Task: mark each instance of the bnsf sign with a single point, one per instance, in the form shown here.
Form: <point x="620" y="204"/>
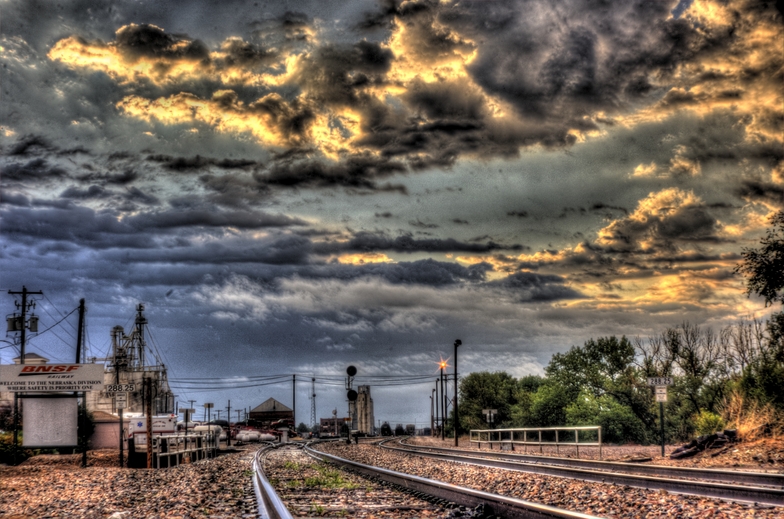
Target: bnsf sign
<point x="57" y="368"/>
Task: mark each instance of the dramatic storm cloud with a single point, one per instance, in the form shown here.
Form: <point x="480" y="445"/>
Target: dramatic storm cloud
<point x="296" y="189"/>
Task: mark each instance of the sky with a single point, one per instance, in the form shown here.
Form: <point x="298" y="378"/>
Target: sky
<point x="296" y="187"/>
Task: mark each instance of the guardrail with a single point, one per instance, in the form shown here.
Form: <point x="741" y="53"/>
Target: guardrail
<point x="512" y="437"/>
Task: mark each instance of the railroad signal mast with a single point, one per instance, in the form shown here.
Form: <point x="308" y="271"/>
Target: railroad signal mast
<point x="352" y="395"/>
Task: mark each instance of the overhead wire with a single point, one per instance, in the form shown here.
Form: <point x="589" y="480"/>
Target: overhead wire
<point x="55" y="309"/>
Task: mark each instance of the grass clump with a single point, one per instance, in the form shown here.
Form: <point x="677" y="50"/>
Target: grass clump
<point x="328" y="478"/>
<point x="752" y="419"/>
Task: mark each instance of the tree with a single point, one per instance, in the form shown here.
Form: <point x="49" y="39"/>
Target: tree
<point x="619" y="424"/>
<point x="605" y="366"/>
<point x="302" y="428"/>
<point x="763" y="377"/>
<point x="485" y="390"/>
<point x="764" y="267"/>
<point x="524" y="399"/>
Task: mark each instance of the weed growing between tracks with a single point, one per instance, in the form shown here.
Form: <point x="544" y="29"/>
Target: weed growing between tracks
<point x="328" y="478"/>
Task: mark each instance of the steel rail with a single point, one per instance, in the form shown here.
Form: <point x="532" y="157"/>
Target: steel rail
<point x="755" y="494"/>
<point x="269" y="504"/>
<point x="507" y="507"/>
<point x="716" y="475"/>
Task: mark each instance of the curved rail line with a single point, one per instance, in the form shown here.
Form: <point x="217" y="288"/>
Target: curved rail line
<point x="269" y="504"/>
<point x="271" y="507"/>
<point x="763" y="479"/>
<point x="620" y="474"/>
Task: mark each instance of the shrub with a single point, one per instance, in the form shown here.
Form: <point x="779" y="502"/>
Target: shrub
<point x="619" y="424"/>
<point x="707" y="423"/>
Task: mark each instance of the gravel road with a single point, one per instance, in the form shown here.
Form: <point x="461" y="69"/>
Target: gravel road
<point x="598" y="499"/>
<point x="219" y="488"/>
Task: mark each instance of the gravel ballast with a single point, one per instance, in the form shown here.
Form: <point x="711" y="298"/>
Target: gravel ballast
<point x="218" y="488"/>
<point x="604" y="500"/>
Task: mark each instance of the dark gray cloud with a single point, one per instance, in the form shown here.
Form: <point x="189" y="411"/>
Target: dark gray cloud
<point x="760" y="190"/>
<point x="103" y="229"/>
<point x="373" y="242"/>
<point x="83" y="194"/>
<point x="198" y="162"/>
<point x="532" y="287"/>
<point x="211" y="218"/>
<point x="29" y="144"/>
<point x="358" y="171"/>
<point x="278" y="249"/>
<point x="146" y="40"/>
<point x="32" y="171"/>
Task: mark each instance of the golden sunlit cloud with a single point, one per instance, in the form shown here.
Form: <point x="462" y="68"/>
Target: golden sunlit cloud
<point x="362" y="259"/>
<point x="645" y="170"/>
<point x="642" y="227"/>
<point x="108" y="58"/>
<point x="720" y="81"/>
<point x="268" y="119"/>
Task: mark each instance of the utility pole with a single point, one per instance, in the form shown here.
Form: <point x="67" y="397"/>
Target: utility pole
<point x="148" y="412"/>
<point x="238" y="415"/>
<point x="313" y="404"/>
<point x="22" y="327"/>
<point x="79" y="339"/>
<point x="294" y="398"/>
<point x="228" y="419"/>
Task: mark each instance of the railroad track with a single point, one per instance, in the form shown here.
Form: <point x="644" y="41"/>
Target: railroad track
<point x="279" y="474"/>
<point x="752" y="487"/>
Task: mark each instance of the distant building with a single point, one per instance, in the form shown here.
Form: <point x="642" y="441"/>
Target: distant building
<point x="331" y="426"/>
<point x="270" y="411"/>
<point x="362" y="414"/>
<point x="128" y="366"/>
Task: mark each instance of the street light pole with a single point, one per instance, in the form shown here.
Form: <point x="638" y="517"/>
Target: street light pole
<point x="443" y="404"/>
<point x="458" y="342"/>
<point x="438" y="406"/>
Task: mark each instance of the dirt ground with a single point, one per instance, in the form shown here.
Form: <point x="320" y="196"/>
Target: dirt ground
<point x="95" y="458"/>
<point x="764" y="455"/>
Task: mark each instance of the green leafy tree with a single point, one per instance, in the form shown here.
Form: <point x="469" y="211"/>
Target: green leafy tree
<point x="523" y="400"/>
<point x="549" y="403"/>
<point x="485" y="390"/>
<point x="619" y="424"/>
<point x="763" y="377"/>
<point x="605" y="366"/>
<point x="302" y="428"/>
<point x="764" y="267"/>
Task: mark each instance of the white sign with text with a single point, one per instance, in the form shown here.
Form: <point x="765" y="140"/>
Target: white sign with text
<point x="45" y="378"/>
